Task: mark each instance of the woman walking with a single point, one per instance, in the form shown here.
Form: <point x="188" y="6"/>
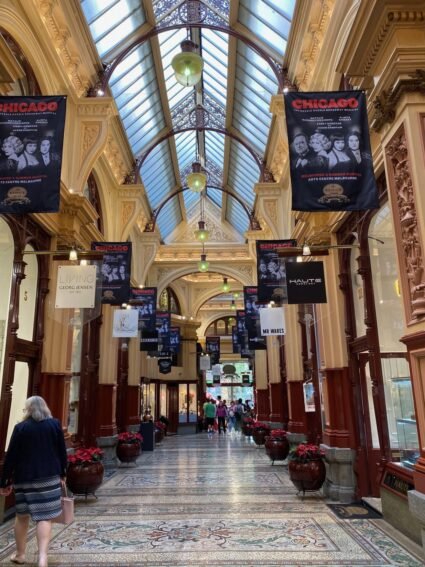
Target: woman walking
<point x="35" y="466"/>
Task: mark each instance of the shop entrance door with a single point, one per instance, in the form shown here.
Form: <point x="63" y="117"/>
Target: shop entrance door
<point x="173" y="407"/>
<point x="370" y="451"/>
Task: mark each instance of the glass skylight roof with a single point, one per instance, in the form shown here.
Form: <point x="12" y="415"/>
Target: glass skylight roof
<point x="135" y="85"/>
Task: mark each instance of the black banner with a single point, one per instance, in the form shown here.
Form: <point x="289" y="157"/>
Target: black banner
<point x="31" y="132"/>
<point x="331" y="160"/>
<point x="252" y="319"/>
<point x="212" y="347"/>
<point x="145" y="301"/>
<point x="164" y="365"/>
<point x="242" y="334"/>
<point x="306" y="282"/>
<point x="115" y="271"/>
<point x="163" y="323"/>
<point x="174" y="340"/>
<point x="236" y="347"/>
<point x="149" y="341"/>
<point x="271" y="273"/>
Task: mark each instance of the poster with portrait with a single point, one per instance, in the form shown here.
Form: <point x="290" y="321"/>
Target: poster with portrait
<point x="31" y="138"/>
<point x="242" y="335"/>
<point x="308" y="390"/>
<point x="271" y="271"/>
<point x="252" y="318"/>
<point x="330" y="156"/>
<point x="163" y="325"/>
<point x="212" y="347"/>
<point x="115" y="271"/>
<point x="144" y="299"/>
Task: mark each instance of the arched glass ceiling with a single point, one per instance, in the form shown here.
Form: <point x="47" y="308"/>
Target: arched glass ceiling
<point x="138" y="81"/>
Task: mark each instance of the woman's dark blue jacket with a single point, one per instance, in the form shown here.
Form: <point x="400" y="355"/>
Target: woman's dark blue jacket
<point x="36" y="450"/>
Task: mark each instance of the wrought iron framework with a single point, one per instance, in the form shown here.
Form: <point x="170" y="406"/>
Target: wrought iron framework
<point x="253" y="222"/>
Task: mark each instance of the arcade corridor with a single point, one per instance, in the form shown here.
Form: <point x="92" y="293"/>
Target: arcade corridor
<point x="213" y="500"/>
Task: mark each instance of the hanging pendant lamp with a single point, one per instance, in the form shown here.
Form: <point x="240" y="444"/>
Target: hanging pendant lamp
<point x="225" y="285"/>
<point x="202" y="234"/>
<point x="203" y="264"/>
<point x="188" y="64"/>
<point x="196" y="180"/>
<point x="233" y="305"/>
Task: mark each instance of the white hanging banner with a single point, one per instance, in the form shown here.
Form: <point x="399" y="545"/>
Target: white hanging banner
<point x="75" y="287"/>
<point x="205" y="362"/>
<point x="125" y="323"/>
<point x="272" y="321"/>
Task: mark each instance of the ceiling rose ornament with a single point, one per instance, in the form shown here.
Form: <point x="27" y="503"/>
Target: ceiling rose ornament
<point x="192" y="12"/>
<point x="199" y="116"/>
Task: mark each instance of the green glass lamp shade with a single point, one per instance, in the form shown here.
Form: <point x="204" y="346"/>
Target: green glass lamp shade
<point x="196" y="180"/>
<point x="202" y="234"/>
<point x="203" y="265"/>
<point x="187" y="65"/>
<point x="225" y="286"/>
<point x="233" y="306"/>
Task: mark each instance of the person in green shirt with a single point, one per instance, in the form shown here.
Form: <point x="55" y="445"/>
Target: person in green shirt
<point x="209" y="414"/>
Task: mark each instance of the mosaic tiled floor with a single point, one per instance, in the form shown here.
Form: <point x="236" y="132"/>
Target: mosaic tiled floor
<point x="212" y="500"/>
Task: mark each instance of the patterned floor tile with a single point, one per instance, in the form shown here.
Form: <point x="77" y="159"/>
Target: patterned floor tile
<point x="211" y="500"/>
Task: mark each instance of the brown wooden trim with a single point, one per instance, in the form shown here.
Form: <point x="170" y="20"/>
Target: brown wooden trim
<point x="297" y="419"/>
<point x="339" y="429"/>
<point x="414" y="341"/>
<point x="262" y="404"/>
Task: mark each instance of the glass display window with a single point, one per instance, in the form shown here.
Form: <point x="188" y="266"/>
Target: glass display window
<point x="188" y="403"/>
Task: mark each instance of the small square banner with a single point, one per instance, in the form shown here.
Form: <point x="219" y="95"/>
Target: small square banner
<point x="272" y="321"/>
<point x="75" y="287"/>
<point x="125" y="323"/>
<point x="305" y="282"/>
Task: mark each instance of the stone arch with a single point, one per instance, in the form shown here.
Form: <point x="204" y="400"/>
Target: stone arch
<point x="205" y="324"/>
<point x="204" y="297"/>
<point x="180" y="297"/>
<point x="178" y="272"/>
<point x="28" y="42"/>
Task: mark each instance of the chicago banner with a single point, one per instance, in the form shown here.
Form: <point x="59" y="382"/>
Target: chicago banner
<point x="271" y="272"/>
<point x="330" y="156"/>
<point x="31" y="133"/>
<point x="115" y="271"/>
<point x="252" y="319"/>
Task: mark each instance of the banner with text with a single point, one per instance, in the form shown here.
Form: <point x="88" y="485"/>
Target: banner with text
<point x="331" y="160"/>
<point x="115" y="269"/>
<point x="252" y="319"/>
<point x="175" y="340"/>
<point x="31" y="133"/>
<point x="144" y="299"/>
<point x="76" y="287"/>
<point x="242" y="334"/>
<point x="306" y="282"/>
<point x="272" y="321"/>
<point x="271" y="273"/>
<point x="236" y="347"/>
<point x="212" y="347"/>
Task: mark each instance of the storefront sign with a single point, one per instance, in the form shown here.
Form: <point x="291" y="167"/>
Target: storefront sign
<point x="272" y="321"/>
<point x="31" y="131"/>
<point x="331" y="160"/>
<point x="305" y="282"/>
<point x="76" y="287"/>
<point x="212" y="346"/>
<point x="125" y="323"/>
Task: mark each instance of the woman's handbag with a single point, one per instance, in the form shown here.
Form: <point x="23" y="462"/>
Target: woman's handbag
<point x="67" y="504"/>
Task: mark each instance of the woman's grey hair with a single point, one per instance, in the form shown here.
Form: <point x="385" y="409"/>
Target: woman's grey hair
<point x="36" y="408"/>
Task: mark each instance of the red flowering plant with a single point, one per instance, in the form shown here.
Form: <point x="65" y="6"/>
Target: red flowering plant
<point x="160" y="425"/>
<point x="248" y="420"/>
<point x="306" y="452"/>
<point x="129" y="437"/>
<point x="85" y="455"/>
<point x="260" y="425"/>
<point x="277" y="433"/>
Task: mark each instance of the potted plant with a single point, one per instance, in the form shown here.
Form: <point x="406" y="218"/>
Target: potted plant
<point x="247" y="426"/>
<point x="306" y="467"/>
<point x="277" y="445"/>
<point x="160" y="429"/>
<point x="259" y="432"/>
<point x="129" y="446"/>
<point x="85" y="470"/>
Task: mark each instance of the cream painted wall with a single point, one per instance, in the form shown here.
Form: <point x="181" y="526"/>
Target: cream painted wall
<point x="6" y="262"/>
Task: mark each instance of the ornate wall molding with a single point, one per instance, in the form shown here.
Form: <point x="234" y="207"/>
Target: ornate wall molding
<point x="406" y="227"/>
<point x="385" y="104"/>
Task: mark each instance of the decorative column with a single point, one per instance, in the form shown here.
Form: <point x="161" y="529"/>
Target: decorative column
<point x="276" y="394"/>
<point x="261" y="386"/>
<point x="297" y="426"/>
<point x="133" y="386"/>
<point x="107" y="389"/>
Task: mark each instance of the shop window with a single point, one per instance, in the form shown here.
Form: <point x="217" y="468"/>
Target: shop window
<point x="188" y="403"/>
